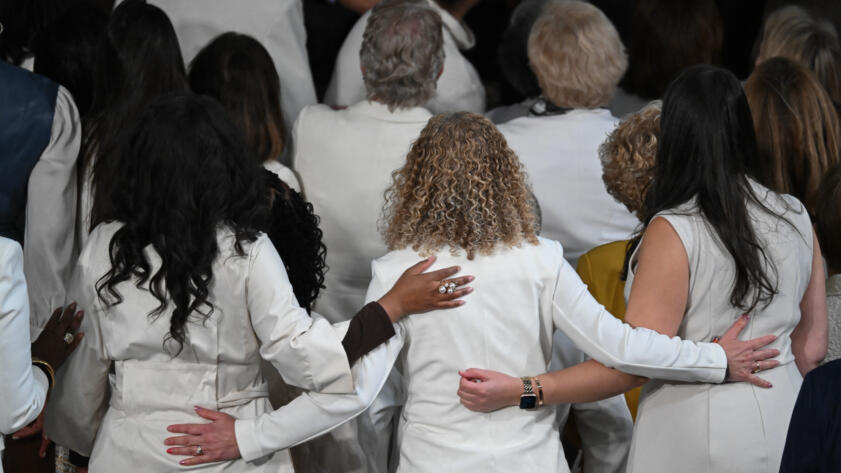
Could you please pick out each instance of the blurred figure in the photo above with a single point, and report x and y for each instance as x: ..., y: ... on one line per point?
x: 236, y: 70
x: 345, y: 159
x: 793, y: 33
x: 828, y: 228
x: 459, y: 87
x: 666, y: 38
x: 277, y: 24
x: 797, y: 128
x: 628, y: 157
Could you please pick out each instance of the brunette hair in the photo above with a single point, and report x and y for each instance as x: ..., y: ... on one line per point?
x: 236, y: 70
x: 797, y: 127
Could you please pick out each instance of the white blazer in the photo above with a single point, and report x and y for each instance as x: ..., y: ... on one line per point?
x: 277, y: 24
x: 50, y: 247
x: 119, y: 415
x: 459, y: 87
x: 521, y: 296
x: 561, y: 156
x: 24, y: 387
x: 345, y: 159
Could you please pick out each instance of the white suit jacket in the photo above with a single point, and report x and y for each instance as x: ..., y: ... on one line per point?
x: 23, y: 388
x: 521, y: 296
x: 277, y: 24
x: 345, y: 159
x: 459, y: 87
x: 50, y: 247
x: 561, y: 157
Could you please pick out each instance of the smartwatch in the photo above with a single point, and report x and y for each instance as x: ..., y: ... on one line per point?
x: 528, y: 400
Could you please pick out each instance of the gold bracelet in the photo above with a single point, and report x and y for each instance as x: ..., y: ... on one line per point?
x: 539, y: 391
x: 46, y: 368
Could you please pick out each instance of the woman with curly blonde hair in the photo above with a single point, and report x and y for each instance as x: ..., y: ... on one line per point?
x: 462, y: 196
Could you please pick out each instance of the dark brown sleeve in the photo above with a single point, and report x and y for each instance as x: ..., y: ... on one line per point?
x: 368, y: 329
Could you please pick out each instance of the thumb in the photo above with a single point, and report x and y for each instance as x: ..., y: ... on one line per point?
x: 209, y: 414
x: 475, y: 373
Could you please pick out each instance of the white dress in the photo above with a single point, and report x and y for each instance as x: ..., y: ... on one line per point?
x: 119, y: 415
x: 734, y: 427
x: 24, y: 387
x: 459, y: 88
x: 521, y: 296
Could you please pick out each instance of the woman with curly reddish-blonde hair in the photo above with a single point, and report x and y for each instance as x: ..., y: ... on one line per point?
x: 462, y: 196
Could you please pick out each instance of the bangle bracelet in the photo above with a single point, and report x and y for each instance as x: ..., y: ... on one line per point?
x: 539, y: 391
x: 46, y: 368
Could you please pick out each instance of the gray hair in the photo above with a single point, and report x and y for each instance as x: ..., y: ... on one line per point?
x: 402, y: 53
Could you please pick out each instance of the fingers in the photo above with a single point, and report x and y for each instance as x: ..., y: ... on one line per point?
x: 27, y: 431
x: 67, y: 317
x: 757, y: 381
x: 45, y: 444
x: 206, y: 458
x: 209, y: 414
x: 760, y: 355
x: 737, y: 327
x: 460, y: 281
x: 421, y: 266
x: 440, y: 274
x: 191, y: 429
x: 77, y: 321
x: 455, y: 295
x: 182, y: 451
x: 474, y: 374
x: 184, y: 440
x: 768, y: 364
x: 77, y: 339
x: 53, y: 321
x: 761, y: 341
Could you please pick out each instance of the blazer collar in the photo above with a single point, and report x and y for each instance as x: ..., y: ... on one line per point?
x: 400, y: 115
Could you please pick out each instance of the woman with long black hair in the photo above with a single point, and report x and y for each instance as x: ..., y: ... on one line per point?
x: 185, y: 296
x: 716, y: 245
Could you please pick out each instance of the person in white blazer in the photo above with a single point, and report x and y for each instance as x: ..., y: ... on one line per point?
x: 277, y: 24
x: 25, y: 380
x: 462, y: 196
x: 459, y: 87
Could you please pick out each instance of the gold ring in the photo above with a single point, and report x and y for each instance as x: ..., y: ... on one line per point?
x: 199, y: 451
x: 756, y: 367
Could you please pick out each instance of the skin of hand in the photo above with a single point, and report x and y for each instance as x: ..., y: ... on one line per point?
x: 416, y: 292
x: 217, y: 439
x: 51, y: 347
x: 744, y: 356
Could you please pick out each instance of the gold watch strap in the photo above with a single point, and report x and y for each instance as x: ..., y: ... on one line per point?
x: 527, y: 385
x: 539, y: 391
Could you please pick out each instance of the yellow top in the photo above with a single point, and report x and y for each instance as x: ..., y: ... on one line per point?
x: 600, y: 269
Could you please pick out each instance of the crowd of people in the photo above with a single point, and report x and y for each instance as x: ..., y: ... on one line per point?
x: 633, y: 266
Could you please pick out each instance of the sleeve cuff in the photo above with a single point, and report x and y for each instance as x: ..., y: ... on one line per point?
x: 41, y: 379
x: 718, y: 373
x: 247, y: 441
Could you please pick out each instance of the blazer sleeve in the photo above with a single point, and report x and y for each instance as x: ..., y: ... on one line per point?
x: 49, y: 239
x: 313, y: 414
x: 306, y: 351
x: 638, y: 351
x: 80, y: 398
x: 24, y: 387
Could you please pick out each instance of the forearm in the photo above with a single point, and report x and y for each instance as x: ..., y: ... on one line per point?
x: 586, y: 382
x: 368, y: 329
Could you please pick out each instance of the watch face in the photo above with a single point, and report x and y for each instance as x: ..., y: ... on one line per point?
x: 528, y: 401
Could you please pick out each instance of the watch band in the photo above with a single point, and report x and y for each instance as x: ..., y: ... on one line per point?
x: 527, y: 385
x: 539, y: 391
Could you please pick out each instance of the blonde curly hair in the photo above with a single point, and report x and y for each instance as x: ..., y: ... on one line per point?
x: 462, y: 187
x: 628, y: 157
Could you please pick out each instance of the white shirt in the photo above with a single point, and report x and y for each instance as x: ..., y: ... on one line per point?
x: 50, y: 247
x: 459, y: 87
x: 24, y: 387
x: 345, y: 159
x: 283, y: 173
x: 277, y: 24
x: 561, y: 156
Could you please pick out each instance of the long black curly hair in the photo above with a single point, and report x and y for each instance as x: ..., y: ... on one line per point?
x: 184, y: 174
x: 293, y: 229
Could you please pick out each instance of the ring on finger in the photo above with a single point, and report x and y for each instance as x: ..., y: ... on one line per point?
x: 68, y: 338
x: 199, y: 451
x: 756, y: 368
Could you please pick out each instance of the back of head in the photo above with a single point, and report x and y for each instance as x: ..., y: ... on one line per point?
x: 67, y: 52
x: 237, y: 71
x: 183, y: 174
x: 147, y: 50
x: 402, y: 53
x: 576, y: 54
x: 666, y: 38
x: 828, y: 218
x: 513, y: 48
x: 462, y: 187
x: 797, y: 127
x: 793, y: 33
x: 707, y: 151
x: 628, y: 156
